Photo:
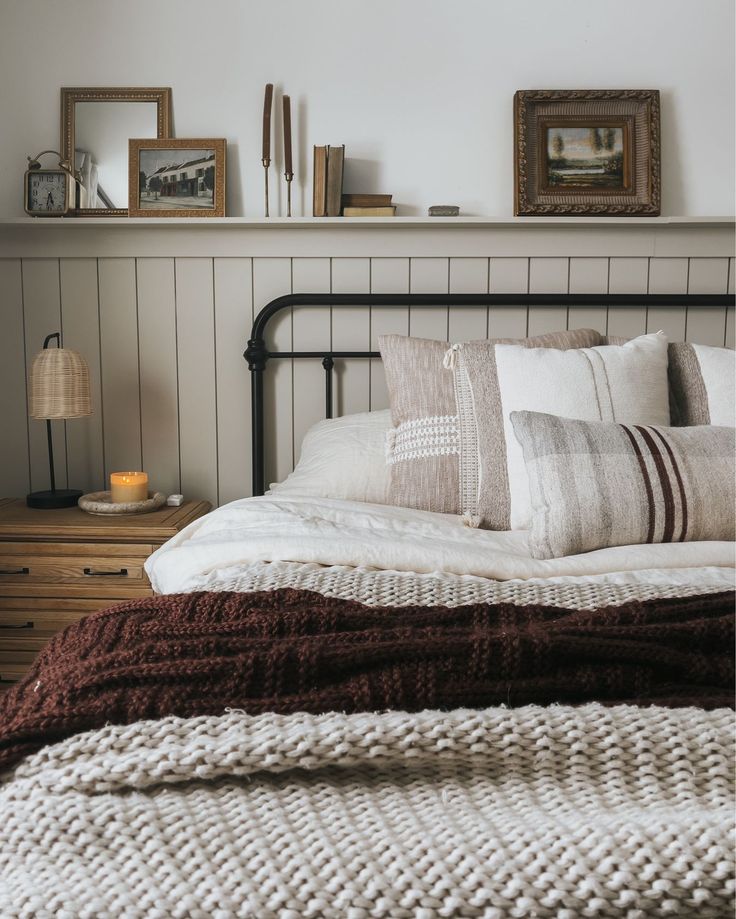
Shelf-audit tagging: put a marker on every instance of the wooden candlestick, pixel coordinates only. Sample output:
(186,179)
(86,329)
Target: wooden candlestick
(288,168)
(266,151)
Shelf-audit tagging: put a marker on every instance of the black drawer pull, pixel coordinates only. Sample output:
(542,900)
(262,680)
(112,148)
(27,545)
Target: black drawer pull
(122,573)
(15,570)
(16,625)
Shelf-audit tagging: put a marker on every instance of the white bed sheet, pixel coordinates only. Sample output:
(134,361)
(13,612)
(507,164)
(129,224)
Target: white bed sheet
(329,532)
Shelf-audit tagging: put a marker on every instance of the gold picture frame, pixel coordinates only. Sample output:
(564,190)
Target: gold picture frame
(587,152)
(172,171)
(70,96)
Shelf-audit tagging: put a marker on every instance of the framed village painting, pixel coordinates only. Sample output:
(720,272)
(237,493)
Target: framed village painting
(176,177)
(587,152)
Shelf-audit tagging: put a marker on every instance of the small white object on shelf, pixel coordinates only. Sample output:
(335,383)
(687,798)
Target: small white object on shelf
(175,500)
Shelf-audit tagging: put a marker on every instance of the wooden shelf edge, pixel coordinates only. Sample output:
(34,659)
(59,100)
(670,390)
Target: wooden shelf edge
(416,222)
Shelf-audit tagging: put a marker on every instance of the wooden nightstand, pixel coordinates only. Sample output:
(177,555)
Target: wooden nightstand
(57,566)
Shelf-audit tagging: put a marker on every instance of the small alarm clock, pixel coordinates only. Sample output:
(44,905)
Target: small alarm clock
(49,192)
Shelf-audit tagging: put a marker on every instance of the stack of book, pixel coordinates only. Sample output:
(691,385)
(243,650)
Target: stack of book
(367,206)
(328,199)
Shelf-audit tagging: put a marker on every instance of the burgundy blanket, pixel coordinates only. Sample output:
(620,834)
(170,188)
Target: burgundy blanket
(294,650)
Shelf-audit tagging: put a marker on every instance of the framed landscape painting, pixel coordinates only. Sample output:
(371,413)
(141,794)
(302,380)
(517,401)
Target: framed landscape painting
(176,177)
(587,152)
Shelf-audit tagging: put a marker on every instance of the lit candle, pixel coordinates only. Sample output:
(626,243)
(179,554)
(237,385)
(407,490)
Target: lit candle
(287,137)
(128,487)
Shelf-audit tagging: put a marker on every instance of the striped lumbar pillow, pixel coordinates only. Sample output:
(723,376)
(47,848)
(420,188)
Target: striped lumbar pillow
(446,452)
(595,485)
(609,383)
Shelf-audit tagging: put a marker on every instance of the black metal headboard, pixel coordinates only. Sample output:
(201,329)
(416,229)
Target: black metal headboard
(258,355)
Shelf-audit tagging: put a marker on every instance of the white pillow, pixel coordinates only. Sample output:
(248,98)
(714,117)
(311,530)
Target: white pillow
(623,383)
(343,458)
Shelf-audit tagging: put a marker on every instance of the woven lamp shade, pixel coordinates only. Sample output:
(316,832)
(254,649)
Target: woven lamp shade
(59,385)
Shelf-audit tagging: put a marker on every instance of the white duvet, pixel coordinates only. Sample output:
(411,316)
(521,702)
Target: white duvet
(333,532)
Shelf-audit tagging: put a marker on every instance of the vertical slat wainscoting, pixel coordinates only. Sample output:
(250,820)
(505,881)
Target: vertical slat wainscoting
(730,325)
(707,326)
(195,345)
(119,364)
(388,276)
(588,276)
(14,461)
(429,276)
(272,278)
(159,369)
(547,276)
(628,276)
(233,319)
(468,276)
(668,276)
(42,315)
(351,331)
(81,321)
(164,337)
(311,332)
(508,276)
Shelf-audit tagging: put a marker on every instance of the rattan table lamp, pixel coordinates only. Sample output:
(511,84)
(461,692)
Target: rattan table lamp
(59,390)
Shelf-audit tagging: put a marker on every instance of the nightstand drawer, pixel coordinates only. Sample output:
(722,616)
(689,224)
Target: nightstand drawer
(12,671)
(30,570)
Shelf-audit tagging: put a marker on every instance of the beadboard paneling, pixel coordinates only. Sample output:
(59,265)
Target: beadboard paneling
(14,456)
(164,337)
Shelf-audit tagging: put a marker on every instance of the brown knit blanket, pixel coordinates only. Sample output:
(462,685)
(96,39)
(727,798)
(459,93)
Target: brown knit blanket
(293,650)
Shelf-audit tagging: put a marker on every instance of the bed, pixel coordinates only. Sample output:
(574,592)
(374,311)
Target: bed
(346,709)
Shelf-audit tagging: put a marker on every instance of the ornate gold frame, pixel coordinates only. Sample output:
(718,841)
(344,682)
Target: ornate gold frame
(70,95)
(135,145)
(638,109)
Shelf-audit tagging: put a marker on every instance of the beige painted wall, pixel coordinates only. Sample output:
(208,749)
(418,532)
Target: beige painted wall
(420,91)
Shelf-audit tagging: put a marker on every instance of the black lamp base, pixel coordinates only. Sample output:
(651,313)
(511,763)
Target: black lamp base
(61,497)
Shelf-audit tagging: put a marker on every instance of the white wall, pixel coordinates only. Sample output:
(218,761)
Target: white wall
(420,91)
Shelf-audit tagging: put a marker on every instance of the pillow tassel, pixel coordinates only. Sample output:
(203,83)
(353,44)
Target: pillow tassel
(449,361)
(471,520)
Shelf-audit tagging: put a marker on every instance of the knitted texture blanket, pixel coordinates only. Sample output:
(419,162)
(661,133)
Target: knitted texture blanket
(564,812)
(290,651)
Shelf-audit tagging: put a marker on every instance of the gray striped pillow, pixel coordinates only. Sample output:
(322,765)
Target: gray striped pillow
(600,484)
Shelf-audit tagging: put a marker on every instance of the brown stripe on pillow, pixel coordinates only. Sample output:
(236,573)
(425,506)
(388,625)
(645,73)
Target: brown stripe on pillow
(651,517)
(664,481)
(668,484)
(680,484)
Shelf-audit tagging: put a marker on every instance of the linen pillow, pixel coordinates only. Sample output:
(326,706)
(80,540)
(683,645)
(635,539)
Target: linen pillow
(343,458)
(625,383)
(446,452)
(595,485)
(702,382)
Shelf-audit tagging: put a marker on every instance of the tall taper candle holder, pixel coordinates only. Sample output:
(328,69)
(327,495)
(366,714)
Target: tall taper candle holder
(266,164)
(266,149)
(289,176)
(288,164)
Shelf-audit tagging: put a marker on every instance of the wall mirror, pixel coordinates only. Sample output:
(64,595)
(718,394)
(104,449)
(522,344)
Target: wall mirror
(96,125)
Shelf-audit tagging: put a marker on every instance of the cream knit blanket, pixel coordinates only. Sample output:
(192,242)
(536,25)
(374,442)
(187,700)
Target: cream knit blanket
(531,812)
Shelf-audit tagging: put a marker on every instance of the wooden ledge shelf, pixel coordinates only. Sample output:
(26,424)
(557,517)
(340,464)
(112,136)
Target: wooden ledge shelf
(291,223)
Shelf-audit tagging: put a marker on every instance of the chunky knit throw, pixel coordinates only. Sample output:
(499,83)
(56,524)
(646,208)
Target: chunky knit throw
(616,812)
(290,651)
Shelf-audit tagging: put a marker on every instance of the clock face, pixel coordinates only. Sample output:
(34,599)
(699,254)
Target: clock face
(47,192)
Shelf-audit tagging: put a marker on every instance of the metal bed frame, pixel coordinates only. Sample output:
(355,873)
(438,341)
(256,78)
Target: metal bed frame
(258,355)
